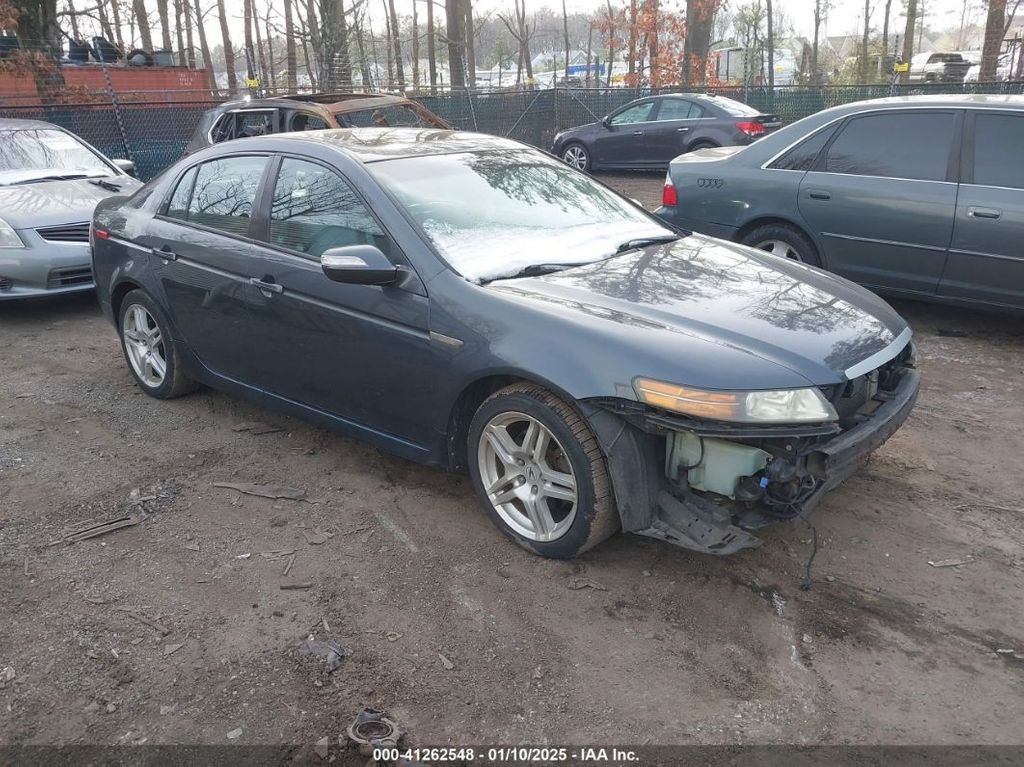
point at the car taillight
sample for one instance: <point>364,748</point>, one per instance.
<point>750,127</point>
<point>668,193</point>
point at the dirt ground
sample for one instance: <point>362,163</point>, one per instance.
<point>463,637</point>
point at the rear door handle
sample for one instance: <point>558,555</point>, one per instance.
<point>270,287</point>
<point>682,130</point>
<point>638,133</point>
<point>165,253</point>
<point>818,194</point>
<point>983,212</point>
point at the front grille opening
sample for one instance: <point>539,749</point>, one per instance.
<point>65,233</point>
<point>69,277</point>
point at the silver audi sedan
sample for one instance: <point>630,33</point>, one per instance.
<point>50,182</point>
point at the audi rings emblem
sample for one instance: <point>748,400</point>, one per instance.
<point>710,183</point>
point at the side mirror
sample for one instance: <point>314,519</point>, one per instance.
<point>358,265</point>
<point>606,121</point>
<point>126,165</point>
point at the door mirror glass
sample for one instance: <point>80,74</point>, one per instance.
<point>125,165</point>
<point>358,265</point>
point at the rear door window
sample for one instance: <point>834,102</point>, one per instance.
<point>244,123</point>
<point>803,155</point>
<point>307,121</point>
<point>906,145</point>
<point>998,159</point>
<point>313,209</point>
<point>222,194</point>
<point>678,109</point>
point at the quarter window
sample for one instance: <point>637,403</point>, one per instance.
<point>307,121</point>
<point>314,209</point>
<point>223,194</point>
<point>903,145</point>
<point>998,160</point>
<point>634,114</point>
<point>803,155</point>
<point>178,206</point>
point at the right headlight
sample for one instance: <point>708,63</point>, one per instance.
<point>779,406</point>
<point>8,237</point>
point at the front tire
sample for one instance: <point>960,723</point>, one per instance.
<point>577,156</point>
<point>784,241</point>
<point>539,473</point>
<point>149,348</point>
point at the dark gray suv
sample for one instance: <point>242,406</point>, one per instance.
<point>920,196</point>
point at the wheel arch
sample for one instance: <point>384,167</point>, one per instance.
<point>759,221</point>
<point>472,395</point>
<point>117,295</point>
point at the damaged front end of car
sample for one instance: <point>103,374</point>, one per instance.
<point>706,483</point>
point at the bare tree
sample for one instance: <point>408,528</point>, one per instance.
<point>229,51</point>
<point>415,49</point>
<point>521,31</point>
<point>163,12</point>
<point>142,16</point>
<point>204,47</point>
<point>908,32</point>
<point>771,47</point>
<point>396,41</point>
<point>291,63</point>
<point>431,47</point>
<point>885,28</point>
<point>470,47</point>
<point>250,58</point>
<point>565,34</point>
<point>994,30</point>
<point>455,33</point>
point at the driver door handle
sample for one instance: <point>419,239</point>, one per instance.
<point>270,287</point>
<point>165,253</point>
<point>819,194</point>
<point>682,130</point>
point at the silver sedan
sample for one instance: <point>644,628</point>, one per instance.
<point>50,182</point>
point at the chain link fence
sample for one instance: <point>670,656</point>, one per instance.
<point>153,131</point>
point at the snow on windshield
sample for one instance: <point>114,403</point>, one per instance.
<point>492,214</point>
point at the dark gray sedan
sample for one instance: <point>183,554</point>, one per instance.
<point>920,196</point>
<point>648,133</point>
<point>468,302</point>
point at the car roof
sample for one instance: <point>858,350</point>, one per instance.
<point>374,144</point>
<point>336,103</point>
<point>18,124</point>
<point>959,101</point>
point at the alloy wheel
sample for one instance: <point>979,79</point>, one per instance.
<point>779,248</point>
<point>145,346</point>
<point>527,476</point>
<point>576,156</point>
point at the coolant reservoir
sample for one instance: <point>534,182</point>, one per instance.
<point>714,465</point>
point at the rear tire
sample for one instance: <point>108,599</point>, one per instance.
<point>785,241</point>
<point>526,493</point>
<point>149,348</point>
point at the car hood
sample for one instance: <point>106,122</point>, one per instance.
<point>735,299</point>
<point>51,203</point>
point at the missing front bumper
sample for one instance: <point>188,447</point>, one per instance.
<point>650,505</point>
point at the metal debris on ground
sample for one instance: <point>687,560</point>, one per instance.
<point>446,661</point>
<point>94,528</point>
<point>265,491</point>
<point>155,625</point>
<point>295,586</point>
<point>329,649</point>
<point>243,556</point>
<point>951,562</point>
<point>373,729</point>
<point>170,649</point>
<point>235,733</point>
<point>255,427</point>
<point>575,584</point>
<point>288,565</point>
<point>316,536</point>
<point>322,747</point>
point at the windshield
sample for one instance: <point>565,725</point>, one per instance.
<point>734,108</point>
<point>492,215</point>
<point>49,151</point>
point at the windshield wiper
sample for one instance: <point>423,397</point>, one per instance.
<point>55,177</point>
<point>110,186</point>
<point>642,242</point>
